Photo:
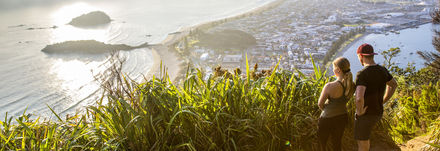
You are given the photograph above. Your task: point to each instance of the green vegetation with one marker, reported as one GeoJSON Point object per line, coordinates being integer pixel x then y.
{"type": "Point", "coordinates": [414, 114]}
{"type": "Point", "coordinates": [226, 39]}
{"type": "Point", "coordinates": [353, 25]}
{"type": "Point", "coordinates": [341, 42]}
{"type": "Point", "coordinates": [274, 110]}
{"type": "Point", "coordinates": [415, 109]}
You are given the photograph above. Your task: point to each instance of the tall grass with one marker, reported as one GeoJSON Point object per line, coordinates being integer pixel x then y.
{"type": "Point", "coordinates": [414, 111]}
{"type": "Point", "coordinates": [275, 112]}
{"type": "Point", "coordinates": [416, 105]}
{"type": "Point", "coordinates": [27, 134]}
{"type": "Point", "coordinates": [220, 113]}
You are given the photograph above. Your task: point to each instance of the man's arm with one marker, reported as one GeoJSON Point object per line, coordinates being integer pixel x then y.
{"type": "Point", "coordinates": [391, 88]}
{"type": "Point", "coordinates": [360, 92]}
{"type": "Point", "coordinates": [323, 97]}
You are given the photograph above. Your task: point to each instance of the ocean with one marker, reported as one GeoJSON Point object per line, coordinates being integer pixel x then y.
{"type": "Point", "coordinates": [408, 40]}
{"type": "Point", "coordinates": [31, 80]}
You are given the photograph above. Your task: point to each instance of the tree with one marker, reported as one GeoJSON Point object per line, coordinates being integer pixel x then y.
{"type": "Point", "coordinates": [388, 55]}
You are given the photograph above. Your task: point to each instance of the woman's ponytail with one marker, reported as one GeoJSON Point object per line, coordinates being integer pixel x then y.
{"type": "Point", "coordinates": [348, 84]}
{"type": "Point", "coordinates": [347, 81]}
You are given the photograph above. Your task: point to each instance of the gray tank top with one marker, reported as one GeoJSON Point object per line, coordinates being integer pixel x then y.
{"type": "Point", "coordinates": [335, 106]}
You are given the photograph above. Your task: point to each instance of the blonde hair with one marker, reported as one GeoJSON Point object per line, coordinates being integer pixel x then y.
{"type": "Point", "coordinates": [347, 81]}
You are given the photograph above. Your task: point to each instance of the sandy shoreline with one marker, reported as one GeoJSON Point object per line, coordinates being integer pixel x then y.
{"type": "Point", "coordinates": [341, 53]}
{"type": "Point", "coordinates": [156, 63]}
{"type": "Point", "coordinates": [171, 62]}
{"type": "Point", "coordinates": [169, 57]}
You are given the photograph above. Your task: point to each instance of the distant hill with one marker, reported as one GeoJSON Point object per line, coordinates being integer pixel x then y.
{"type": "Point", "coordinates": [91, 19]}
{"type": "Point", "coordinates": [227, 39]}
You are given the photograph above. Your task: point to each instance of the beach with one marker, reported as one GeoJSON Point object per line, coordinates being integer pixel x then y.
{"type": "Point", "coordinates": [65, 82]}
{"type": "Point", "coordinates": [346, 47]}
{"type": "Point", "coordinates": [33, 79]}
{"type": "Point", "coordinates": [165, 53]}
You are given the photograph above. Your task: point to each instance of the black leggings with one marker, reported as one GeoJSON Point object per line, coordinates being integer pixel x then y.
{"type": "Point", "coordinates": [334, 127]}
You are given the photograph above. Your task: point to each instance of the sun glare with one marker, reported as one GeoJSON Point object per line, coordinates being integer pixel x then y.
{"type": "Point", "coordinates": [64, 32]}
{"type": "Point", "coordinates": [75, 74]}
{"type": "Point", "coordinates": [70, 33]}
{"type": "Point", "coordinates": [65, 14]}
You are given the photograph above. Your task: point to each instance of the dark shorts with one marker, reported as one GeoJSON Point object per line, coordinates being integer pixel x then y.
{"type": "Point", "coordinates": [363, 126]}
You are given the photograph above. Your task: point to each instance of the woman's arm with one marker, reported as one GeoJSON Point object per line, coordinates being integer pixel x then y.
{"type": "Point", "coordinates": [323, 97]}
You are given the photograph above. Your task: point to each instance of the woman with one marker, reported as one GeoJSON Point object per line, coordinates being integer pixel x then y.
{"type": "Point", "coordinates": [332, 102]}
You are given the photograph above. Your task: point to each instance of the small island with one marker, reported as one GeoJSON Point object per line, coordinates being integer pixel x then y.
{"type": "Point", "coordinates": [87, 47]}
{"type": "Point", "coordinates": [94, 18]}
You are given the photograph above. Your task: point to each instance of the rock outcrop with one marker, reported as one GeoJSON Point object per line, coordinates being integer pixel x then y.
{"type": "Point", "coordinates": [95, 18]}
{"type": "Point", "coordinates": [87, 47]}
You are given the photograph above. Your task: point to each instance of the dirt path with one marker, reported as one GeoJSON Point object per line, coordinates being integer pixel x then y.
{"type": "Point", "coordinates": [415, 143]}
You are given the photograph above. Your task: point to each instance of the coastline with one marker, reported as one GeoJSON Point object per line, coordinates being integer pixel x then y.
{"type": "Point", "coordinates": [349, 52]}
{"type": "Point", "coordinates": [165, 53]}
{"type": "Point", "coordinates": [175, 63]}
{"type": "Point", "coordinates": [341, 53]}
{"type": "Point", "coordinates": [156, 63]}
{"type": "Point", "coordinates": [165, 59]}
{"type": "Point", "coordinates": [343, 50]}
{"type": "Point", "coordinates": [174, 37]}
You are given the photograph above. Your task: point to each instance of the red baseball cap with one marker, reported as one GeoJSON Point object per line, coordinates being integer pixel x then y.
{"type": "Point", "coordinates": [366, 50]}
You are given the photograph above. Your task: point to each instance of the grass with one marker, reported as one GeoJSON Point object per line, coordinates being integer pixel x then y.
{"type": "Point", "coordinates": [214, 114]}
{"type": "Point", "coordinates": [275, 112]}
{"type": "Point", "coordinates": [416, 113]}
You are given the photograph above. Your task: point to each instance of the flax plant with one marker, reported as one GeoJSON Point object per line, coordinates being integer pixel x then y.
{"type": "Point", "coordinates": [204, 112]}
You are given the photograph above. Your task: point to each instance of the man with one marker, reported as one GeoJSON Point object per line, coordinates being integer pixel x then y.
{"type": "Point", "coordinates": [374, 87]}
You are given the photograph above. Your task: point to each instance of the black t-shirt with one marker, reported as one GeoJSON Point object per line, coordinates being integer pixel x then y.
{"type": "Point", "coordinates": [374, 78]}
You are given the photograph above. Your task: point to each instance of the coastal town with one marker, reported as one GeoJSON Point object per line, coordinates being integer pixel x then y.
{"type": "Point", "coordinates": [296, 30]}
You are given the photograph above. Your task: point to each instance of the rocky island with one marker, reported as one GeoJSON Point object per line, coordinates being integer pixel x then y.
{"type": "Point", "coordinates": [87, 47]}
{"type": "Point", "coordinates": [94, 18]}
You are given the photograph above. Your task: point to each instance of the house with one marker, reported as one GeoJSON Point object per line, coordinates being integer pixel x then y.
{"type": "Point", "coordinates": [232, 61]}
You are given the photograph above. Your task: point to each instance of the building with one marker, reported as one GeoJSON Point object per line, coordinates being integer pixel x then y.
{"type": "Point", "coordinates": [232, 61]}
